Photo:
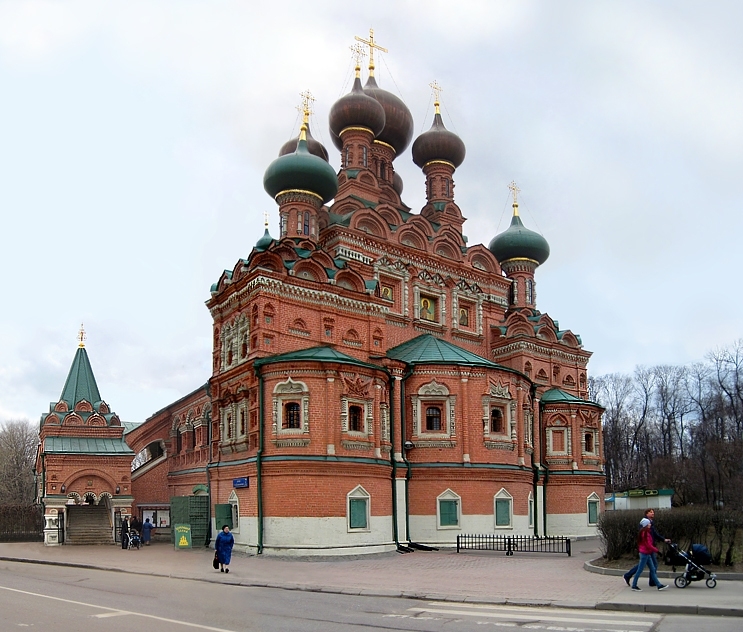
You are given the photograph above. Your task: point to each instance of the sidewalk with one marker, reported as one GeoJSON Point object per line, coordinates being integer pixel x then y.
{"type": "Point", "coordinates": [483, 577]}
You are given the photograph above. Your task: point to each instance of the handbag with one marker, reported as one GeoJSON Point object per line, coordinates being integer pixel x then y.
{"type": "Point", "coordinates": [215, 561]}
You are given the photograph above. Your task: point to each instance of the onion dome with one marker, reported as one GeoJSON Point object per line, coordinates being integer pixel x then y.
{"type": "Point", "coordinates": [398, 126]}
{"type": "Point", "coordinates": [264, 242]}
{"type": "Point", "coordinates": [356, 109]}
{"type": "Point", "coordinates": [438, 143]}
{"type": "Point", "coordinates": [397, 183]}
{"type": "Point", "coordinates": [301, 171]}
{"type": "Point", "coordinates": [315, 146]}
{"type": "Point", "coordinates": [518, 242]}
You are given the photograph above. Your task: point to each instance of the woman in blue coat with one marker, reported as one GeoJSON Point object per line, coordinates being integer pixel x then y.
{"type": "Point", "coordinates": [223, 546]}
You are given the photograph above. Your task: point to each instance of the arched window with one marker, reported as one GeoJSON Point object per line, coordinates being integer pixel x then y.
{"type": "Point", "coordinates": [496, 421]}
{"type": "Point", "coordinates": [291, 415]}
{"type": "Point", "coordinates": [178, 442]}
{"type": "Point", "coordinates": [306, 222]}
{"type": "Point", "coordinates": [346, 156]}
{"type": "Point", "coordinates": [364, 157]}
{"type": "Point", "coordinates": [529, 292]}
{"type": "Point", "coordinates": [447, 187]}
{"type": "Point", "coordinates": [355, 419]}
{"type": "Point", "coordinates": [433, 418]}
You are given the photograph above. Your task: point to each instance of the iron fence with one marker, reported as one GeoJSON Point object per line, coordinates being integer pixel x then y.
{"type": "Point", "coordinates": [21, 523]}
{"type": "Point", "coordinates": [511, 543]}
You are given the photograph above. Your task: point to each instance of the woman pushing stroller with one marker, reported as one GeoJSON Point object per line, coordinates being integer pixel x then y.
{"type": "Point", "coordinates": [647, 549]}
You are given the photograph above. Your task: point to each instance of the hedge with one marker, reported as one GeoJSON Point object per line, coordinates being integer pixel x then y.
{"type": "Point", "coordinates": [720, 531]}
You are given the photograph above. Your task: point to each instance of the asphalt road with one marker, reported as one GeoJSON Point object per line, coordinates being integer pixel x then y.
{"type": "Point", "coordinates": [81, 600]}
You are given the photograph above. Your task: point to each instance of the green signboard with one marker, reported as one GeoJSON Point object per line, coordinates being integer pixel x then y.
{"type": "Point", "coordinates": [182, 536]}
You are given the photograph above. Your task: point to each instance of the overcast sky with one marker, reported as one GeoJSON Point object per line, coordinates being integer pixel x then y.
{"type": "Point", "coordinates": [134, 137]}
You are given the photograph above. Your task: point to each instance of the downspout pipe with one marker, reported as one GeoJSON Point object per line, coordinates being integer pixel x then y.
{"type": "Point", "coordinates": [535, 470]}
{"type": "Point", "coordinates": [403, 432]}
{"type": "Point", "coordinates": [393, 462]}
{"type": "Point", "coordinates": [543, 450]}
{"type": "Point", "coordinates": [259, 461]}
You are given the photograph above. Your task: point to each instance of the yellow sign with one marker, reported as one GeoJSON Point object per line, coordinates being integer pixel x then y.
{"type": "Point", "coordinates": [182, 536]}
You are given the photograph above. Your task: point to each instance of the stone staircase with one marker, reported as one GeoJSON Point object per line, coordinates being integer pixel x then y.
{"type": "Point", "coordinates": [88, 524]}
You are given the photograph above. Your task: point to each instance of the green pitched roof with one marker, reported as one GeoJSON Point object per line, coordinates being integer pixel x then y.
{"type": "Point", "coordinates": [428, 349]}
{"type": "Point", "coordinates": [86, 445]}
{"type": "Point", "coordinates": [80, 382]}
{"type": "Point", "coordinates": [315, 354]}
{"type": "Point", "coordinates": [557, 395]}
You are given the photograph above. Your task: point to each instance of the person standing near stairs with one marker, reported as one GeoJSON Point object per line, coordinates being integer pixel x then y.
{"type": "Point", "coordinates": [125, 526]}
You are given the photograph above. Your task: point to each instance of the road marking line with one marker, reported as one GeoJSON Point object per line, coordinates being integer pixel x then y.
{"type": "Point", "coordinates": [528, 617]}
{"type": "Point", "coordinates": [548, 611]}
{"type": "Point", "coordinates": [105, 615]}
{"type": "Point", "coordinates": [116, 611]}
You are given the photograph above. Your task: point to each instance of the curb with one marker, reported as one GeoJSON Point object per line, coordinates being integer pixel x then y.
{"type": "Point", "coordinates": [377, 592]}
{"type": "Point", "coordinates": [616, 572]}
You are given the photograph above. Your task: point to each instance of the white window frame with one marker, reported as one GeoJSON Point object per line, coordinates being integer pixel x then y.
{"type": "Point", "coordinates": [434, 393]}
{"type": "Point", "coordinates": [449, 495]}
{"type": "Point", "coordinates": [568, 438]}
{"type": "Point", "coordinates": [530, 509]}
{"type": "Point", "coordinates": [592, 431]}
{"type": "Point", "coordinates": [367, 410]}
{"type": "Point", "coordinates": [358, 493]}
{"type": "Point", "coordinates": [287, 392]}
{"type": "Point", "coordinates": [503, 495]}
{"type": "Point", "coordinates": [593, 498]}
{"type": "Point", "coordinates": [234, 503]}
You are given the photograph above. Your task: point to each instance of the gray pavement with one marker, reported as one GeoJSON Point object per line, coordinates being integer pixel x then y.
{"type": "Point", "coordinates": [481, 577]}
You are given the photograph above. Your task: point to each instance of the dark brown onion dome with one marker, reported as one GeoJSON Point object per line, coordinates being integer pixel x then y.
{"type": "Point", "coordinates": [398, 127]}
{"type": "Point", "coordinates": [438, 143]}
{"type": "Point", "coordinates": [315, 146]}
{"type": "Point", "coordinates": [397, 183]}
{"type": "Point", "coordinates": [355, 109]}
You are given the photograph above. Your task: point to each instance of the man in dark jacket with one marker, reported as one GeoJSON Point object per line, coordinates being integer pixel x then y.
{"type": "Point", "coordinates": [657, 537]}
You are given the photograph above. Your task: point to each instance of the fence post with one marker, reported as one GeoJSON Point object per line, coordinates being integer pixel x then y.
{"type": "Point", "coordinates": [458, 543]}
{"type": "Point", "coordinates": [567, 547]}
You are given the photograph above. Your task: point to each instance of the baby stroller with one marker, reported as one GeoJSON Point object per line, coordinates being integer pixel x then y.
{"type": "Point", "coordinates": [135, 540]}
{"type": "Point", "coordinates": [692, 560]}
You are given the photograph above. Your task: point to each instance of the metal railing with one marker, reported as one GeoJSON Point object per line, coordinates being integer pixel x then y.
{"type": "Point", "coordinates": [511, 543]}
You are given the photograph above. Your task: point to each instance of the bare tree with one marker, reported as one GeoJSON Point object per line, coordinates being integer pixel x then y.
{"type": "Point", "coordinates": [18, 442]}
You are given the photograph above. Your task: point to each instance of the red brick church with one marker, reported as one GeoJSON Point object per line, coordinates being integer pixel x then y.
{"type": "Point", "coordinates": [376, 380]}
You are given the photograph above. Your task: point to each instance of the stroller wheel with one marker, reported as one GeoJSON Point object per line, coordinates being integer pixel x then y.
{"type": "Point", "coordinates": [681, 582]}
{"type": "Point", "coordinates": [711, 582]}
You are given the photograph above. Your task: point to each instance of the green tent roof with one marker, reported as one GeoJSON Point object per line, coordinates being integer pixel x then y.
{"type": "Point", "coordinates": [428, 349]}
{"type": "Point", "coordinates": [80, 382]}
{"type": "Point", "coordinates": [86, 445]}
{"type": "Point", "coordinates": [557, 395]}
{"type": "Point", "coordinates": [315, 354]}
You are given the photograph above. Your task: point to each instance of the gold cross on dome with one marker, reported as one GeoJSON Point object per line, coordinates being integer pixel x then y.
{"type": "Point", "coordinates": [358, 53]}
{"type": "Point", "coordinates": [437, 90]}
{"type": "Point", "coordinates": [514, 191]}
{"type": "Point", "coordinates": [306, 107]}
{"type": "Point", "coordinates": [81, 336]}
{"type": "Point", "coordinates": [372, 45]}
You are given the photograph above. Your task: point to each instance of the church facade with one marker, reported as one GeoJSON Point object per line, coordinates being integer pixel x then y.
{"type": "Point", "coordinates": [376, 381]}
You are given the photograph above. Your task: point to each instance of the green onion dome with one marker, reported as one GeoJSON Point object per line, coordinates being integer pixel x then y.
{"type": "Point", "coordinates": [301, 171]}
{"type": "Point", "coordinates": [315, 146]}
{"type": "Point", "coordinates": [398, 126]}
{"type": "Point", "coordinates": [518, 242]}
{"type": "Point", "coordinates": [356, 109]}
{"type": "Point", "coordinates": [438, 143]}
{"type": "Point", "coordinates": [264, 242]}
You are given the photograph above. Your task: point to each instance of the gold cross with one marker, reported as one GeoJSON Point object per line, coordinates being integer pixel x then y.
{"type": "Point", "coordinates": [514, 191]}
{"type": "Point", "coordinates": [81, 336]}
{"type": "Point", "coordinates": [306, 107]}
{"type": "Point", "coordinates": [437, 90]}
{"type": "Point", "coordinates": [358, 53]}
{"type": "Point", "coordinates": [370, 43]}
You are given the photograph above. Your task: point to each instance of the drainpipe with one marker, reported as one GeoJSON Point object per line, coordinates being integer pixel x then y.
{"type": "Point", "coordinates": [535, 471]}
{"type": "Point", "coordinates": [543, 450]}
{"type": "Point", "coordinates": [408, 473]}
{"type": "Point", "coordinates": [393, 462]}
{"type": "Point", "coordinates": [209, 463]}
{"type": "Point", "coordinates": [258, 462]}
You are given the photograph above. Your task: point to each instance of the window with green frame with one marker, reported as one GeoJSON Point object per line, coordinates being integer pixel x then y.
{"type": "Point", "coordinates": [357, 509]}
{"type": "Point", "coordinates": [448, 513]}
{"type": "Point", "coordinates": [593, 512]}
